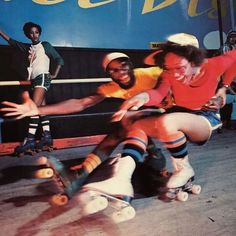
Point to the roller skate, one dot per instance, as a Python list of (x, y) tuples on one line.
[(181, 181), (27, 147), (46, 142), (69, 181), (116, 191)]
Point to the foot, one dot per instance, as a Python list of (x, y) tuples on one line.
[(182, 173), (72, 180)]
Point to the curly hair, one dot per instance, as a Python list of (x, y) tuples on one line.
[(27, 27), (193, 54)]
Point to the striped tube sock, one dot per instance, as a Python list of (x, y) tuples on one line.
[(135, 145), (45, 123), (33, 126), (91, 162), (176, 144)]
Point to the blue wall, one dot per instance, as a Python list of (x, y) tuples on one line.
[(130, 24)]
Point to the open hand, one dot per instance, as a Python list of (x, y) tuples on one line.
[(19, 111), (133, 104)]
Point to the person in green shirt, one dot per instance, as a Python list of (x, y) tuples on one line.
[(39, 54)]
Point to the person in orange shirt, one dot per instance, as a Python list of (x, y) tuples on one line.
[(126, 82)]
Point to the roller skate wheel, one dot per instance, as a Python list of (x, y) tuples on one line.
[(59, 199), (42, 160), (196, 189), (124, 214), (182, 196), (95, 205), (44, 173)]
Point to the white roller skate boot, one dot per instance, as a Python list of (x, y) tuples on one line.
[(180, 183), (183, 171), (117, 190)]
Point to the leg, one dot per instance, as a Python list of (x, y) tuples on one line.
[(75, 177), (173, 130), (119, 185), (29, 145), (120, 182), (46, 141)]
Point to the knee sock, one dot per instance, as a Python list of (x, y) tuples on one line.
[(45, 123), (176, 144), (33, 126), (91, 162), (135, 145)]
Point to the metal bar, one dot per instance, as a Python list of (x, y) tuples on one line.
[(232, 14), (220, 23), (58, 81)]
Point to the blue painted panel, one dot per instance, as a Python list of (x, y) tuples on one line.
[(127, 24)]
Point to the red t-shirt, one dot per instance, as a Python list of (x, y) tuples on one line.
[(196, 95)]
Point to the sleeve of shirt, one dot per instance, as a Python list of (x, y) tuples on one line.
[(158, 94), (23, 47), (51, 52), (100, 91)]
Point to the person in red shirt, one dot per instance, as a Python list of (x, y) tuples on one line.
[(193, 80)]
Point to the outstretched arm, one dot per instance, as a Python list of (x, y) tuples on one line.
[(4, 36), (133, 103), (152, 97), (29, 108)]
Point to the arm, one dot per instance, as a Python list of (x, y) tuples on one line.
[(152, 97), (21, 46), (55, 74), (4, 36), (70, 106), (52, 53), (133, 103), (29, 108)]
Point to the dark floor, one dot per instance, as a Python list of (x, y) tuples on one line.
[(25, 210)]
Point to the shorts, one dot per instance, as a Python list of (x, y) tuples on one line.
[(212, 117), (214, 121), (42, 80)]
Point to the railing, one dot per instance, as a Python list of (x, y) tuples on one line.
[(7, 148)]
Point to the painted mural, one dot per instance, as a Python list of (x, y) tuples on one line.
[(127, 24)]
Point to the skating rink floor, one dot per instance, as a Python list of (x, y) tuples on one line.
[(25, 210)]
